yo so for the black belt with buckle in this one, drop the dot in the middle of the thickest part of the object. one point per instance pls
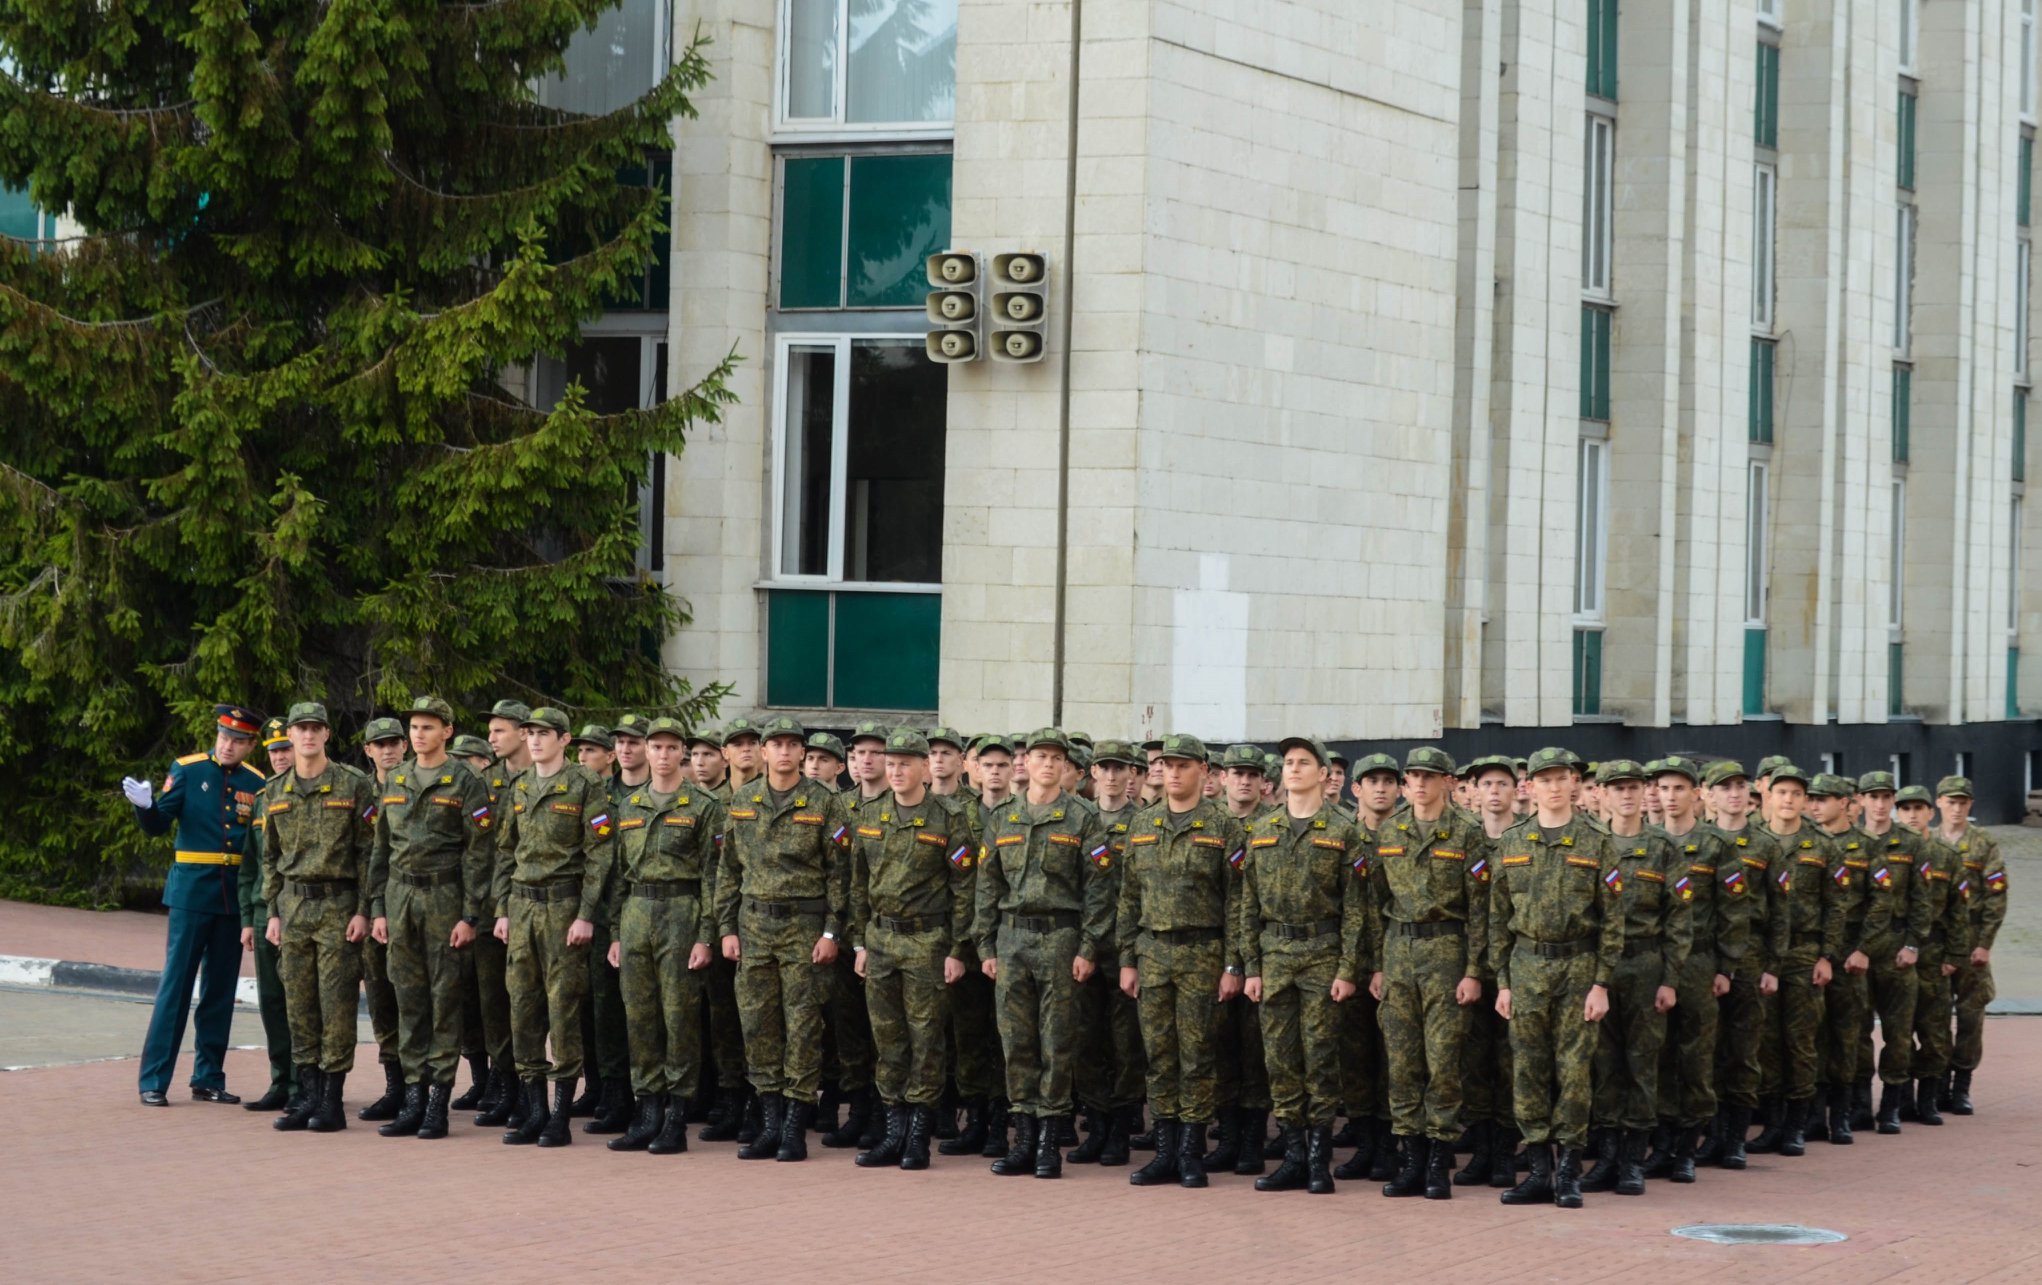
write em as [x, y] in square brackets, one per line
[564, 890]
[1433, 928]
[322, 888]
[665, 889]
[1044, 923]
[1305, 932]
[789, 909]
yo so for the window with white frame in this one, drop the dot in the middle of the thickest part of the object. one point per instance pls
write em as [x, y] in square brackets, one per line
[1756, 559]
[858, 458]
[1769, 12]
[1903, 276]
[2022, 280]
[1765, 217]
[613, 63]
[867, 66]
[1598, 203]
[1591, 529]
[1910, 34]
[2014, 569]
[2028, 59]
[1896, 559]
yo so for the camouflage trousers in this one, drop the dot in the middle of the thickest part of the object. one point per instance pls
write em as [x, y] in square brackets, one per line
[1240, 1065]
[1180, 1016]
[662, 996]
[425, 975]
[1796, 1025]
[381, 997]
[548, 982]
[1424, 1032]
[1300, 1026]
[1932, 1013]
[1036, 1000]
[1363, 1071]
[726, 1032]
[603, 1024]
[849, 1026]
[1843, 1013]
[1110, 1068]
[1625, 1080]
[1971, 990]
[1743, 1016]
[322, 973]
[485, 1004]
[977, 1065]
[1485, 1064]
[1891, 998]
[1552, 1045]
[1687, 1063]
[907, 1003]
[780, 999]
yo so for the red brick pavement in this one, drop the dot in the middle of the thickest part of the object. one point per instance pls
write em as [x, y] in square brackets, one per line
[122, 938]
[98, 1188]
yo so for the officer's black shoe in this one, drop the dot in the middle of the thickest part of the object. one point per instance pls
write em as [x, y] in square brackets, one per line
[1631, 1163]
[1146, 1141]
[1862, 1116]
[531, 1117]
[672, 1138]
[914, 1152]
[1889, 1108]
[1087, 1152]
[1960, 1093]
[1227, 1149]
[298, 1113]
[1049, 1158]
[438, 1100]
[1476, 1171]
[1567, 1178]
[1659, 1162]
[1816, 1127]
[392, 1101]
[409, 1116]
[591, 1097]
[1382, 1158]
[1794, 1129]
[645, 1125]
[1318, 1158]
[1190, 1153]
[155, 1098]
[1163, 1167]
[1503, 1158]
[1410, 1179]
[1602, 1175]
[1537, 1187]
[331, 1114]
[851, 1132]
[971, 1139]
[199, 1093]
[765, 1143]
[1293, 1172]
[1925, 1103]
[1020, 1158]
[1840, 1118]
[496, 1099]
[1439, 1163]
[1254, 1131]
[274, 1100]
[613, 1109]
[1773, 1119]
[999, 1120]
[1119, 1124]
[891, 1145]
[1684, 1140]
[794, 1131]
[1736, 1121]
[559, 1130]
[478, 1085]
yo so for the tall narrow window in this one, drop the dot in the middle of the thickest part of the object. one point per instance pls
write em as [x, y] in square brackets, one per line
[1598, 201]
[1903, 411]
[1765, 113]
[2028, 59]
[1896, 555]
[2020, 460]
[2024, 179]
[1764, 233]
[2022, 257]
[1759, 420]
[1591, 534]
[1905, 165]
[1756, 566]
[2014, 568]
[1602, 48]
[1910, 34]
[1595, 358]
[1903, 275]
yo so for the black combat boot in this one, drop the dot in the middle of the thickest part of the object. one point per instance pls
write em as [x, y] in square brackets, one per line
[1353, 1133]
[1066, 1132]
[559, 1130]
[794, 1131]
[1439, 1163]
[1658, 1162]
[276, 1099]
[1816, 1127]
[1087, 1152]
[971, 1139]
[946, 1115]
[726, 1117]
[1382, 1159]
[1711, 1144]
[1254, 1131]
[299, 1113]
[531, 1116]
[1840, 1116]
[1319, 1160]
[392, 1101]
[672, 1138]
[439, 1100]
[1567, 1178]
[1684, 1142]
[1862, 1116]
[1602, 1175]
[613, 1110]
[1272, 1145]
[752, 1121]
[497, 1099]
[914, 1151]
[1476, 1171]
[1119, 1125]
[1925, 1103]
[892, 1145]
[1163, 1168]
[1410, 1178]
[765, 1142]
[852, 1129]
[331, 1117]
[1020, 1158]
[591, 1096]
[1772, 1118]
[1503, 1158]
[1537, 1187]
[644, 1128]
[521, 1105]
[1292, 1173]
[1049, 1158]
[1908, 1111]
[1736, 1121]
[478, 1085]
[1631, 1163]
[1960, 1093]
[1794, 1128]
[409, 1116]
[999, 1120]
[1357, 1166]
[1191, 1153]
[1228, 1148]
[1889, 1108]
[1146, 1141]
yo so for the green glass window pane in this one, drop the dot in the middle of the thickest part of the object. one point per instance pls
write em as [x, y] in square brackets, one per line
[1903, 412]
[1754, 671]
[1896, 704]
[797, 648]
[900, 215]
[886, 650]
[1759, 416]
[1587, 672]
[2020, 435]
[1602, 48]
[812, 232]
[1765, 116]
[1907, 104]
[2013, 682]
[2024, 181]
[1595, 358]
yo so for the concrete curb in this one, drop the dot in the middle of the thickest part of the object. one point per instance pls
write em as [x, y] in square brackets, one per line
[77, 975]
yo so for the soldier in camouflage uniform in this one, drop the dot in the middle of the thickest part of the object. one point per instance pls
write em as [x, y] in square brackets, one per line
[1429, 891]
[737, 1112]
[1983, 886]
[553, 861]
[1948, 942]
[383, 747]
[269, 984]
[1110, 1068]
[1687, 1063]
[1657, 935]
[782, 889]
[911, 889]
[1301, 933]
[848, 1048]
[1845, 1000]
[319, 823]
[1364, 1069]
[1485, 1060]
[1740, 858]
[429, 872]
[1897, 923]
[978, 1065]
[668, 835]
[1242, 1083]
[1040, 918]
[1556, 939]
[502, 1099]
[606, 1073]
[1805, 939]
[473, 753]
[948, 783]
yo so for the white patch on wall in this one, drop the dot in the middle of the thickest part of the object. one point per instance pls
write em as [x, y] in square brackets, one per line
[1209, 655]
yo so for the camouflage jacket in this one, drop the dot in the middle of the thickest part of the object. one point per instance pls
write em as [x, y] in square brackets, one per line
[429, 821]
[1655, 902]
[792, 851]
[1552, 887]
[1936, 878]
[1304, 877]
[556, 829]
[1899, 911]
[1182, 873]
[1807, 916]
[317, 831]
[913, 863]
[1741, 864]
[1983, 885]
[667, 838]
[1043, 860]
[1430, 872]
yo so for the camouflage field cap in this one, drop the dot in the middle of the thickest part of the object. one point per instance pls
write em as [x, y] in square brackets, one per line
[1621, 770]
[467, 746]
[826, 743]
[382, 729]
[994, 743]
[700, 736]
[1310, 744]
[630, 725]
[1183, 745]
[1913, 794]
[777, 726]
[515, 711]
[1550, 757]
[553, 720]
[664, 726]
[1828, 785]
[1788, 772]
[1492, 763]
[1724, 770]
[1429, 758]
[1080, 738]
[1675, 765]
[1772, 763]
[870, 731]
[906, 740]
[739, 728]
[1081, 757]
[1154, 743]
[307, 712]
[1954, 787]
[594, 734]
[1334, 758]
[1874, 782]
[1370, 764]
[1248, 756]
[434, 706]
[941, 735]
[1121, 752]
[1047, 738]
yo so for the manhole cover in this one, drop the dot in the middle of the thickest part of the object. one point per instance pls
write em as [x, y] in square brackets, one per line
[1759, 1234]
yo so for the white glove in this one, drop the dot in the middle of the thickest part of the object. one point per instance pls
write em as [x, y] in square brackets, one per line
[138, 792]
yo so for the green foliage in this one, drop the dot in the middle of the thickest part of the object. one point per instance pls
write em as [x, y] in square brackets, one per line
[255, 441]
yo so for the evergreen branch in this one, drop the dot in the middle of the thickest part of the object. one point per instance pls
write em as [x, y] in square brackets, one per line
[45, 311]
[98, 109]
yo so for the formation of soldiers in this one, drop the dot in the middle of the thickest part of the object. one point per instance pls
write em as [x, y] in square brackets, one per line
[974, 941]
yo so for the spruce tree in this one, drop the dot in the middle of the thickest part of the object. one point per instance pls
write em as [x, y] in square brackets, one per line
[255, 438]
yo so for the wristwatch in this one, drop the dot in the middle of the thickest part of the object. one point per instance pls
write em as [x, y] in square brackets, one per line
[1233, 971]
[469, 920]
[827, 935]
